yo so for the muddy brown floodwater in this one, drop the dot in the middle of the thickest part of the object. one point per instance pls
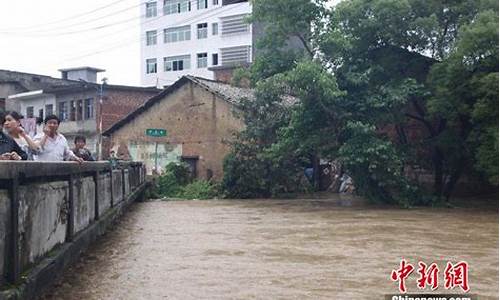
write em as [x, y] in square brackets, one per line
[278, 249]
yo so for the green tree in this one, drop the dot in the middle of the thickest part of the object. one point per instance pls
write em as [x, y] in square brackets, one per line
[385, 49]
[383, 85]
[250, 170]
[465, 93]
[255, 168]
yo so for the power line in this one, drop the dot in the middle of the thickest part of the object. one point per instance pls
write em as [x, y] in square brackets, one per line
[90, 29]
[143, 38]
[75, 31]
[46, 32]
[71, 17]
[74, 24]
[129, 43]
[148, 20]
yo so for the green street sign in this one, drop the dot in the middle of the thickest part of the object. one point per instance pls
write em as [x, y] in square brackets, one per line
[156, 132]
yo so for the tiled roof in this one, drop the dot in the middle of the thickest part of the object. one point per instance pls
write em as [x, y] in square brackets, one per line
[225, 91]
[229, 93]
[234, 94]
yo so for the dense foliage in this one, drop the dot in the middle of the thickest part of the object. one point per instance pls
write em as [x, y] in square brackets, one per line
[252, 170]
[175, 183]
[389, 87]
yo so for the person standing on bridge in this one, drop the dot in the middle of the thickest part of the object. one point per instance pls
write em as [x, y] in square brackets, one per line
[9, 149]
[80, 149]
[12, 126]
[53, 146]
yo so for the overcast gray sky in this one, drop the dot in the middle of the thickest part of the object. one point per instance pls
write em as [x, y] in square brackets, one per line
[41, 36]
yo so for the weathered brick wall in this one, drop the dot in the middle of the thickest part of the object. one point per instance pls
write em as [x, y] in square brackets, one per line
[224, 75]
[119, 103]
[195, 119]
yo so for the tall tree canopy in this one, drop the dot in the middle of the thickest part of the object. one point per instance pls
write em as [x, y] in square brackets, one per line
[389, 87]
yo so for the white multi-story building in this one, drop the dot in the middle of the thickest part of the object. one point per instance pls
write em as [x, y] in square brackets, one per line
[187, 37]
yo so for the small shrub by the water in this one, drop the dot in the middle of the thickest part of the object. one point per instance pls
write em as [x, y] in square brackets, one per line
[175, 183]
[199, 189]
[170, 183]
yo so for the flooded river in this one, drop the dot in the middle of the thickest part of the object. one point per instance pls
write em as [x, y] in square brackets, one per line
[278, 249]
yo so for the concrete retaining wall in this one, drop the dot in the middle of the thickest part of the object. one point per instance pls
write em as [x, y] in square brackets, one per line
[84, 203]
[4, 234]
[127, 181]
[105, 192]
[45, 207]
[117, 186]
[43, 211]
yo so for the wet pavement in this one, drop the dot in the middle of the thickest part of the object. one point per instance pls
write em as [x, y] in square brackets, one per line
[279, 249]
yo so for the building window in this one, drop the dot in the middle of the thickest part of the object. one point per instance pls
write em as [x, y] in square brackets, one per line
[49, 109]
[30, 111]
[177, 63]
[40, 113]
[215, 59]
[72, 111]
[177, 34]
[176, 6]
[215, 28]
[150, 9]
[150, 65]
[202, 60]
[202, 30]
[184, 6]
[63, 111]
[202, 4]
[79, 110]
[151, 37]
[169, 7]
[89, 109]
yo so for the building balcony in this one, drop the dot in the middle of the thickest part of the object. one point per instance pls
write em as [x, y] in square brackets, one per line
[228, 2]
[78, 127]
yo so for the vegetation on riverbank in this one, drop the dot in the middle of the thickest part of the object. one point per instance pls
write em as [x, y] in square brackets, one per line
[390, 88]
[176, 183]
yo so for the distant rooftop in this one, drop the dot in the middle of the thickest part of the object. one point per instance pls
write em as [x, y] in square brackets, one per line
[82, 68]
[31, 82]
[35, 82]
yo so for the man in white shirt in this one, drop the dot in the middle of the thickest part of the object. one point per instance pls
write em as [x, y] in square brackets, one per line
[53, 146]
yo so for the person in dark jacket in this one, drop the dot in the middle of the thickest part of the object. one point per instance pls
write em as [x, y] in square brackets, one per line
[9, 149]
[80, 149]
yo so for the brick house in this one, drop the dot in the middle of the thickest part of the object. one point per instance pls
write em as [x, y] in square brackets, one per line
[199, 118]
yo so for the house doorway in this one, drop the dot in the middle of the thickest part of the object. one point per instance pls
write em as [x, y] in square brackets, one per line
[192, 162]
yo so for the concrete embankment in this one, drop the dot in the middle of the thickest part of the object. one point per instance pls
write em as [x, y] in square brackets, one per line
[51, 212]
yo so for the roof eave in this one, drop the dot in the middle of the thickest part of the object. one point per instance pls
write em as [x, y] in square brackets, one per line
[26, 94]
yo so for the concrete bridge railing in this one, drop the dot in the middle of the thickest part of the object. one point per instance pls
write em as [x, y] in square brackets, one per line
[50, 212]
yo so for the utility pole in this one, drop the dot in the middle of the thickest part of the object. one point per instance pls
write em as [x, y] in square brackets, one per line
[99, 125]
